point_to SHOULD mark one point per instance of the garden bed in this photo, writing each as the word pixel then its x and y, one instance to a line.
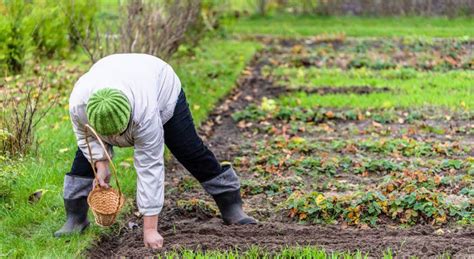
pixel 359 176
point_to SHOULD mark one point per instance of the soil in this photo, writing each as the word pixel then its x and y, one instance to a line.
pixel 203 229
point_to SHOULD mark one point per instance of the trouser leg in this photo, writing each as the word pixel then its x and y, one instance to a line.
pixel 220 181
pixel 78 182
pixel 184 143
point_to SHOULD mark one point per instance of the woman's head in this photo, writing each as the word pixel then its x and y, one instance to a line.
pixel 108 111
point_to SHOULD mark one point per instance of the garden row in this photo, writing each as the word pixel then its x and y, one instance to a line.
pixel 319 160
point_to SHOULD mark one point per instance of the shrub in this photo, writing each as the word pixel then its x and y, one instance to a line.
pixel 15 37
pixel 21 112
pixel 48 33
pixel 41 28
pixel 144 27
pixel 79 19
pixel 208 21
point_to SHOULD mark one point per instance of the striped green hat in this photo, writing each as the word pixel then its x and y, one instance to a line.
pixel 108 111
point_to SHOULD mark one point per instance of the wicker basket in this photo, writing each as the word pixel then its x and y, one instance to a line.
pixel 105 203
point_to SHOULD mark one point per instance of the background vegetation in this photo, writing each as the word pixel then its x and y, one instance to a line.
pixel 46 45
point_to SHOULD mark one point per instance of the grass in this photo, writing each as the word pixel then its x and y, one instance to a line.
pixel 256 252
pixel 27 228
pixel 288 25
pixel 407 88
pixel 212 73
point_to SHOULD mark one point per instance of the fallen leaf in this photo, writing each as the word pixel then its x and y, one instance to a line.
pixel 63 150
pixel 36 196
pixel 125 164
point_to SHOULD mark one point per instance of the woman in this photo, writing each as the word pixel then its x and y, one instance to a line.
pixel 136 100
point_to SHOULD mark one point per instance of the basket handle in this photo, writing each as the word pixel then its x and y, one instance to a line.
pixel 114 171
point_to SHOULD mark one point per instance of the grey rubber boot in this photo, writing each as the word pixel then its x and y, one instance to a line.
pixel 225 189
pixel 76 217
pixel 76 190
pixel 230 206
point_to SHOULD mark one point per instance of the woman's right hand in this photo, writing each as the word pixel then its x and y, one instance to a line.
pixel 151 237
pixel 103 174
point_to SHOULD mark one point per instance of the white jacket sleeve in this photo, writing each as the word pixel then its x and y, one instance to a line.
pixel 78 124
pixel 148 160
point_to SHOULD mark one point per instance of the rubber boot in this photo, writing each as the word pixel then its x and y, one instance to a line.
pixel 76 213
pixel 230 206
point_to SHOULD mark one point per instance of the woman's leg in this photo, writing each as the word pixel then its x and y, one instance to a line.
pixel 221 182
pixel 184 143
pixel 77 185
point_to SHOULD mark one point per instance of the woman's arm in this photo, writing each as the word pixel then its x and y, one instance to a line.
pixel 148 161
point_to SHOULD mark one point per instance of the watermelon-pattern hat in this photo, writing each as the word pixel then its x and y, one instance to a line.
pixel 108 111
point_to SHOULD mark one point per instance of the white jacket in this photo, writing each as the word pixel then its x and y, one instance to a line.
pixel 152 88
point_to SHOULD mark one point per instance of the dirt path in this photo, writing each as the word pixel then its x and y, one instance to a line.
pixel 197 227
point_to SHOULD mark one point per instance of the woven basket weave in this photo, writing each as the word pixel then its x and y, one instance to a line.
pixel 104 203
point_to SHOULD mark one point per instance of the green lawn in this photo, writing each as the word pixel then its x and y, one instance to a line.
pixel 27 228
pixel 287 25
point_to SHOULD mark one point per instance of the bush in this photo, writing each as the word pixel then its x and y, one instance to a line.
pixel 144 27
pixel 14 37
pixel 208 21
pixel 48 32
pixel 21 112
pixel 79 19
pixel 41 28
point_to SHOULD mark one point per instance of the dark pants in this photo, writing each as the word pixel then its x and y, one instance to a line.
pixel 181 139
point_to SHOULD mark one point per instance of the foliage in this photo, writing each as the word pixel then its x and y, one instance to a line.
pixel 14 37
pixel 407 204
pixel 208 22
pixel 48 30
pixel 31 30
pixel 79 19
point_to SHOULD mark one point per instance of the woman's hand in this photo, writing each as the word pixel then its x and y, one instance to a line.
pixel 151 237
pixel 103 173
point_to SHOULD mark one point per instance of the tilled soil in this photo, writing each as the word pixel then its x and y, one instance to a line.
pixel 202 229
pixel 423 241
